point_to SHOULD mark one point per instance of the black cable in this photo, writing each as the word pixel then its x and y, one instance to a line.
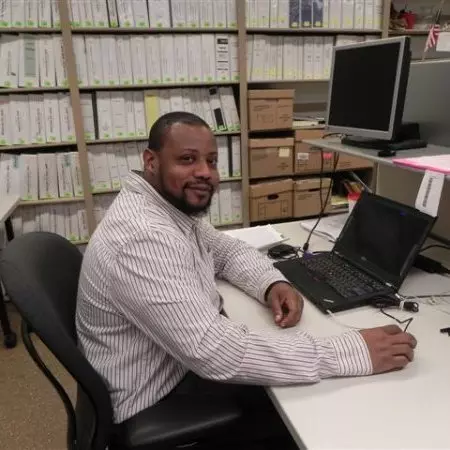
pixel 323 204
pixel 400 322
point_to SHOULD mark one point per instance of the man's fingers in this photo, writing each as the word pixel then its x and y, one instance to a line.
pixel 293 312
pixel 392 329
pixel 277 310
pixel 400 362
pixel 403 338
pixel 403 350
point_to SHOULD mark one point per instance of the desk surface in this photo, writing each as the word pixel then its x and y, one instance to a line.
pixel 8 204
pixel 335 145
pixel 405 409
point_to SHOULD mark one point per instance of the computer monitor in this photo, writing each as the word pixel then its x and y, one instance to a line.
pixel 368 87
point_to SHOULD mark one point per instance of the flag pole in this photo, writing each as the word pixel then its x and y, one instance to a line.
pixel 435 22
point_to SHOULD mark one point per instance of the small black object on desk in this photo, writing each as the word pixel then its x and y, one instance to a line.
pixel 446 330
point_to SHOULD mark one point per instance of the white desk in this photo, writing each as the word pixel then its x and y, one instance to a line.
pixel 405 409
pixel 8 204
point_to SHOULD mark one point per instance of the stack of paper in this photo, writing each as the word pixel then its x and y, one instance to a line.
pixel 260 237
pixel 328 228
pixel 435 163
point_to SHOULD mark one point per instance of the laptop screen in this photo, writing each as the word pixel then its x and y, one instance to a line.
pixel 383 237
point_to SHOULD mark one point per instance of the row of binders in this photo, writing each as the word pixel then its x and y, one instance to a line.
pixel 48 118
pixel 28 60
pixel 217 106
pixel 68 220
pixel 50 176
pixel 226 205
pixel 334 14
pixel 121 13
pixel 164 58
pixel 293 57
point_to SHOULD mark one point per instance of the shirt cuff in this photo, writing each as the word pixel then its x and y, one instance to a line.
pixel 346 355
pixel 269 278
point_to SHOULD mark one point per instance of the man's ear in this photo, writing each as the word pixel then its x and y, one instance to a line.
pixel 150 160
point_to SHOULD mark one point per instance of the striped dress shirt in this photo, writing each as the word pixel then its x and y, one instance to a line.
pixel 148 310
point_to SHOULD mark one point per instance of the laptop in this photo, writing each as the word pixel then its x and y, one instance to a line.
pixel 371 257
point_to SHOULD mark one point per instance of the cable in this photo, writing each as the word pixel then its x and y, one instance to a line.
pixel 400 322
pixel 342 324
pixel 323 204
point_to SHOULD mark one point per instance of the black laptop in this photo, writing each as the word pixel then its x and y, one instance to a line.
pixel 370 258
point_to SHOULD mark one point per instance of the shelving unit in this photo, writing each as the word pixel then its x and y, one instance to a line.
pixel 240 87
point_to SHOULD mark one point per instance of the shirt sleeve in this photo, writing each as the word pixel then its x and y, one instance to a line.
pixel 239 263
pixel 154 285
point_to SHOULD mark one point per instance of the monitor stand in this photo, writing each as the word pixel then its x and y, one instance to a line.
pixel 407 139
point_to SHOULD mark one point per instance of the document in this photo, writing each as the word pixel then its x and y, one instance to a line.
pixel 259 237
pixel 430 191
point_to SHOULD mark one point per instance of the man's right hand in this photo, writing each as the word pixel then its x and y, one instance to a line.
pixel 389 347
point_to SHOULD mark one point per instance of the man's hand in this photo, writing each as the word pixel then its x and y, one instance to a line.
pixel 389 347
pixel 286 304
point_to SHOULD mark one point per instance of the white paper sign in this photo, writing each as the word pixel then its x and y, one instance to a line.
pixel 443 43
pixel 429 195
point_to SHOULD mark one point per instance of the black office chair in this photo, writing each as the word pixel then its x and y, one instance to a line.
pixel 40 272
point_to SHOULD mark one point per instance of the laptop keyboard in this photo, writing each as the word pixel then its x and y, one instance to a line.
pixel 341 276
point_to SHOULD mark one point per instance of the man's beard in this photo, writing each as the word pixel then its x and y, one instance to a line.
pixel 182 203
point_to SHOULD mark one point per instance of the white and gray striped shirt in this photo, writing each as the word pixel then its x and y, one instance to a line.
pixel 148 309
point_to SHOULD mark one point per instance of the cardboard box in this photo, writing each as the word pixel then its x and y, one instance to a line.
pixel 271 200
pixel 349 162
pixel 308 160
pixel 271 157
pixel 270 109
pixel 306 198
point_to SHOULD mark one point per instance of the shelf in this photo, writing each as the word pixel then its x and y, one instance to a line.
pixel 13 148
pixel 32 90
pixel 199 84
pixel 137 30
pixel 53 201
pixel 232 224
pixel 287 81
pixel 115 191
pixel 408 32
pixel 83 242
pixel 30 30
pixel 145 138
pixel 310 31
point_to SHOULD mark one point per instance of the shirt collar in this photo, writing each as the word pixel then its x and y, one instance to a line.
pixel 135 182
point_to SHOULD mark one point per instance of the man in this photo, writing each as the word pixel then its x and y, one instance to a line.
pixel 148 310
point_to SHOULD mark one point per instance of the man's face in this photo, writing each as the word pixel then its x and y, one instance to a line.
pixel 185 169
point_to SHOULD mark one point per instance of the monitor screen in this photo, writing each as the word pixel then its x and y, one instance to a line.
pixel 364 89
pixel 382 236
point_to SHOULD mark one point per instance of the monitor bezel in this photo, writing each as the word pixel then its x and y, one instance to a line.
pixel 365 132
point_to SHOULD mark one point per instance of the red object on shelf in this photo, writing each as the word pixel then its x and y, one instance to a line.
pixel 410 19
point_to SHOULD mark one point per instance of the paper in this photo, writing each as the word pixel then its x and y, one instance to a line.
pixel 328 228
pixel 437 163
pixel 259 237
pixel 443 43
pixel 429 195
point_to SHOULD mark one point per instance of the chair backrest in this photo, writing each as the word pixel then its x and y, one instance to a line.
pixel 40 272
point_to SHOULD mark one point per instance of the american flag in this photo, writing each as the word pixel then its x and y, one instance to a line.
pixel 434 32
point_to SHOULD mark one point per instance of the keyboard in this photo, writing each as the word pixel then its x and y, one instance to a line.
pixel 345 279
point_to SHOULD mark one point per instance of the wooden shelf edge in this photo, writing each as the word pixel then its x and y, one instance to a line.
pixel 313 30
pixel 53 201
pixel 32 90
pixel 13 148
pixel 29 30
pixel 321 80
pixel 198 84
pixel 143 30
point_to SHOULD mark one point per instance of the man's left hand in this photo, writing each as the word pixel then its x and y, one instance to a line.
pixel 286 304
